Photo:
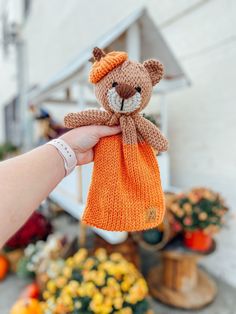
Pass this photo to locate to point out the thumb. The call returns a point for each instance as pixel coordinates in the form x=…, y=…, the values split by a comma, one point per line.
x=103, y=130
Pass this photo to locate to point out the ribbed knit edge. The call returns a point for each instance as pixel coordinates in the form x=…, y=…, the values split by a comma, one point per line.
x=138, y=228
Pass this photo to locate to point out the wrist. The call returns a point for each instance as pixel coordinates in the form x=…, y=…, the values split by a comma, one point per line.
x=66, y=137
x=66, y=153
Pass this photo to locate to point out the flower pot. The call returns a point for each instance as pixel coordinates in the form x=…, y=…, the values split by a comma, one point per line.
x=197, y=240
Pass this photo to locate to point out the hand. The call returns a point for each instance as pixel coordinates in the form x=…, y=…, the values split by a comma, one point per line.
x=83, y=139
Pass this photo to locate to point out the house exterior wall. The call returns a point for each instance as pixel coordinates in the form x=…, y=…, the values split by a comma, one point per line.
x=201, y=118
x=50, y=47
x=7, y=86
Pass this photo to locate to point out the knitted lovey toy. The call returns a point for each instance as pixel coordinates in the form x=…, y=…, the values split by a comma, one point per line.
x=125, y=192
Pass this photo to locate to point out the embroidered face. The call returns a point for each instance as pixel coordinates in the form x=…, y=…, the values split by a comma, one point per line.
x=124, y=98
x=128, y=87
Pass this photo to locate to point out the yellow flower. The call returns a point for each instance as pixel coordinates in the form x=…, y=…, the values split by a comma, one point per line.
x=174, y=207
x=209, y=195
x=80, y=291
x=137, y=292
x=89, y=263
x=51, y=286
x=187, y=207
x=61, y=308
x=101, y=254
x=130, y=278
x=125, y=285
x=116, y=257
x=131, y=298
x=193, y=197
x=98, y=298
x=70, y=262
x=80, y=256
x=100, y=278
x=89, y=289
x=96, y=304
x=60, y=281
x=95, y=307
x=118, y=302
x=202, y=216
x=72, y=288
x=126, y=310
x=46, y=295
x=179, y=213
x=66, y=300
x=67, y=271
x=112, y=282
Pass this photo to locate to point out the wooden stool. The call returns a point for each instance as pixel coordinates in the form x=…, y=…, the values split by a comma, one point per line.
x=179, y=282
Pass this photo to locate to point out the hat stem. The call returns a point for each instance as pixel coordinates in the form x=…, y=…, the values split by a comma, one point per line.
x=98, y=53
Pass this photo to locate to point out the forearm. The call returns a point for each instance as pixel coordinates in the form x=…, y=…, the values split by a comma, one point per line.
x=34, y=174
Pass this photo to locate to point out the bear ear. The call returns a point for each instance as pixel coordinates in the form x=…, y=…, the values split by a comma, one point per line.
x=155, y=70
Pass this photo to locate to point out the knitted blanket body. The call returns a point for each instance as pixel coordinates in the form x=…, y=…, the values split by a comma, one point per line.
x=125, y=192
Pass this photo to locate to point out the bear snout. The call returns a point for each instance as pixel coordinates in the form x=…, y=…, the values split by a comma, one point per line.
x=125, y=91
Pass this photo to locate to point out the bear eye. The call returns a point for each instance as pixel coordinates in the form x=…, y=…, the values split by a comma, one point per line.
x=138, y=89
x=114, y=84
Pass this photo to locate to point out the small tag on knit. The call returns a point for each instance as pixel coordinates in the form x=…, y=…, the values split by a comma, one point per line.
x=151, y=214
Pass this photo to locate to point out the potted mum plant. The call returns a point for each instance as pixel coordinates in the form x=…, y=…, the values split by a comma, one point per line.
x=99, y=283
x=36, y=228
x=199, y=214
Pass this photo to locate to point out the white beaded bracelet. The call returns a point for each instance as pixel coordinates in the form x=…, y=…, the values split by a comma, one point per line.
x=66, y=153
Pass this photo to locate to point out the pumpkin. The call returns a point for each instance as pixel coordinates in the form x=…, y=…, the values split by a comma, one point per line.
x=4, y=267
x=27, y=306
x=30, y=291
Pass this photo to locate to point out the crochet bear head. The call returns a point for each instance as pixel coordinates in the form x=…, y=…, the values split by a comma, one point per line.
x=121, y=85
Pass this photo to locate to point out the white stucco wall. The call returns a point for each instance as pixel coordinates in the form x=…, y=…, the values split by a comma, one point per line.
x=7, y=84
x=64, y=30
x=201, y=118
x=7, y=74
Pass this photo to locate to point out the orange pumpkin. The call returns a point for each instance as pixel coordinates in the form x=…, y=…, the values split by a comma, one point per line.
x=4, y=267
x=27, y=306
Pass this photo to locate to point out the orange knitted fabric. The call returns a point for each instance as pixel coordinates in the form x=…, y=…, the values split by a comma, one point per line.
x=125, y=192
x=106, y=63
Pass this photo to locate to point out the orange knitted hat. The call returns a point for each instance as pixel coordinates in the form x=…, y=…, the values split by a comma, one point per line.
x=104, y=63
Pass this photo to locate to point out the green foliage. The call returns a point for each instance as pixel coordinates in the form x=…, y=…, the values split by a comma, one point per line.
x=5, y=149
x=140, y=307
x=22, y=270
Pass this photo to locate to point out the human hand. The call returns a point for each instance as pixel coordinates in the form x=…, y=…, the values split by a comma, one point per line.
x=83, y=139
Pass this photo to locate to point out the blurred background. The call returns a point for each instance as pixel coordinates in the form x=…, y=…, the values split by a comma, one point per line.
x=44, y=51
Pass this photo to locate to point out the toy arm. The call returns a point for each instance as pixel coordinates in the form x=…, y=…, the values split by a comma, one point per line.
x=151, y=134
x=87, y=117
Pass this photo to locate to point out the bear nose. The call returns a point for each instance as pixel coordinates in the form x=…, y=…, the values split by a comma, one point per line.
x=125, y=91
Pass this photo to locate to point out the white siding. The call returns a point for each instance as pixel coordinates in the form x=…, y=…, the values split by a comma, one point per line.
x=202, y=126
x=64, y=30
